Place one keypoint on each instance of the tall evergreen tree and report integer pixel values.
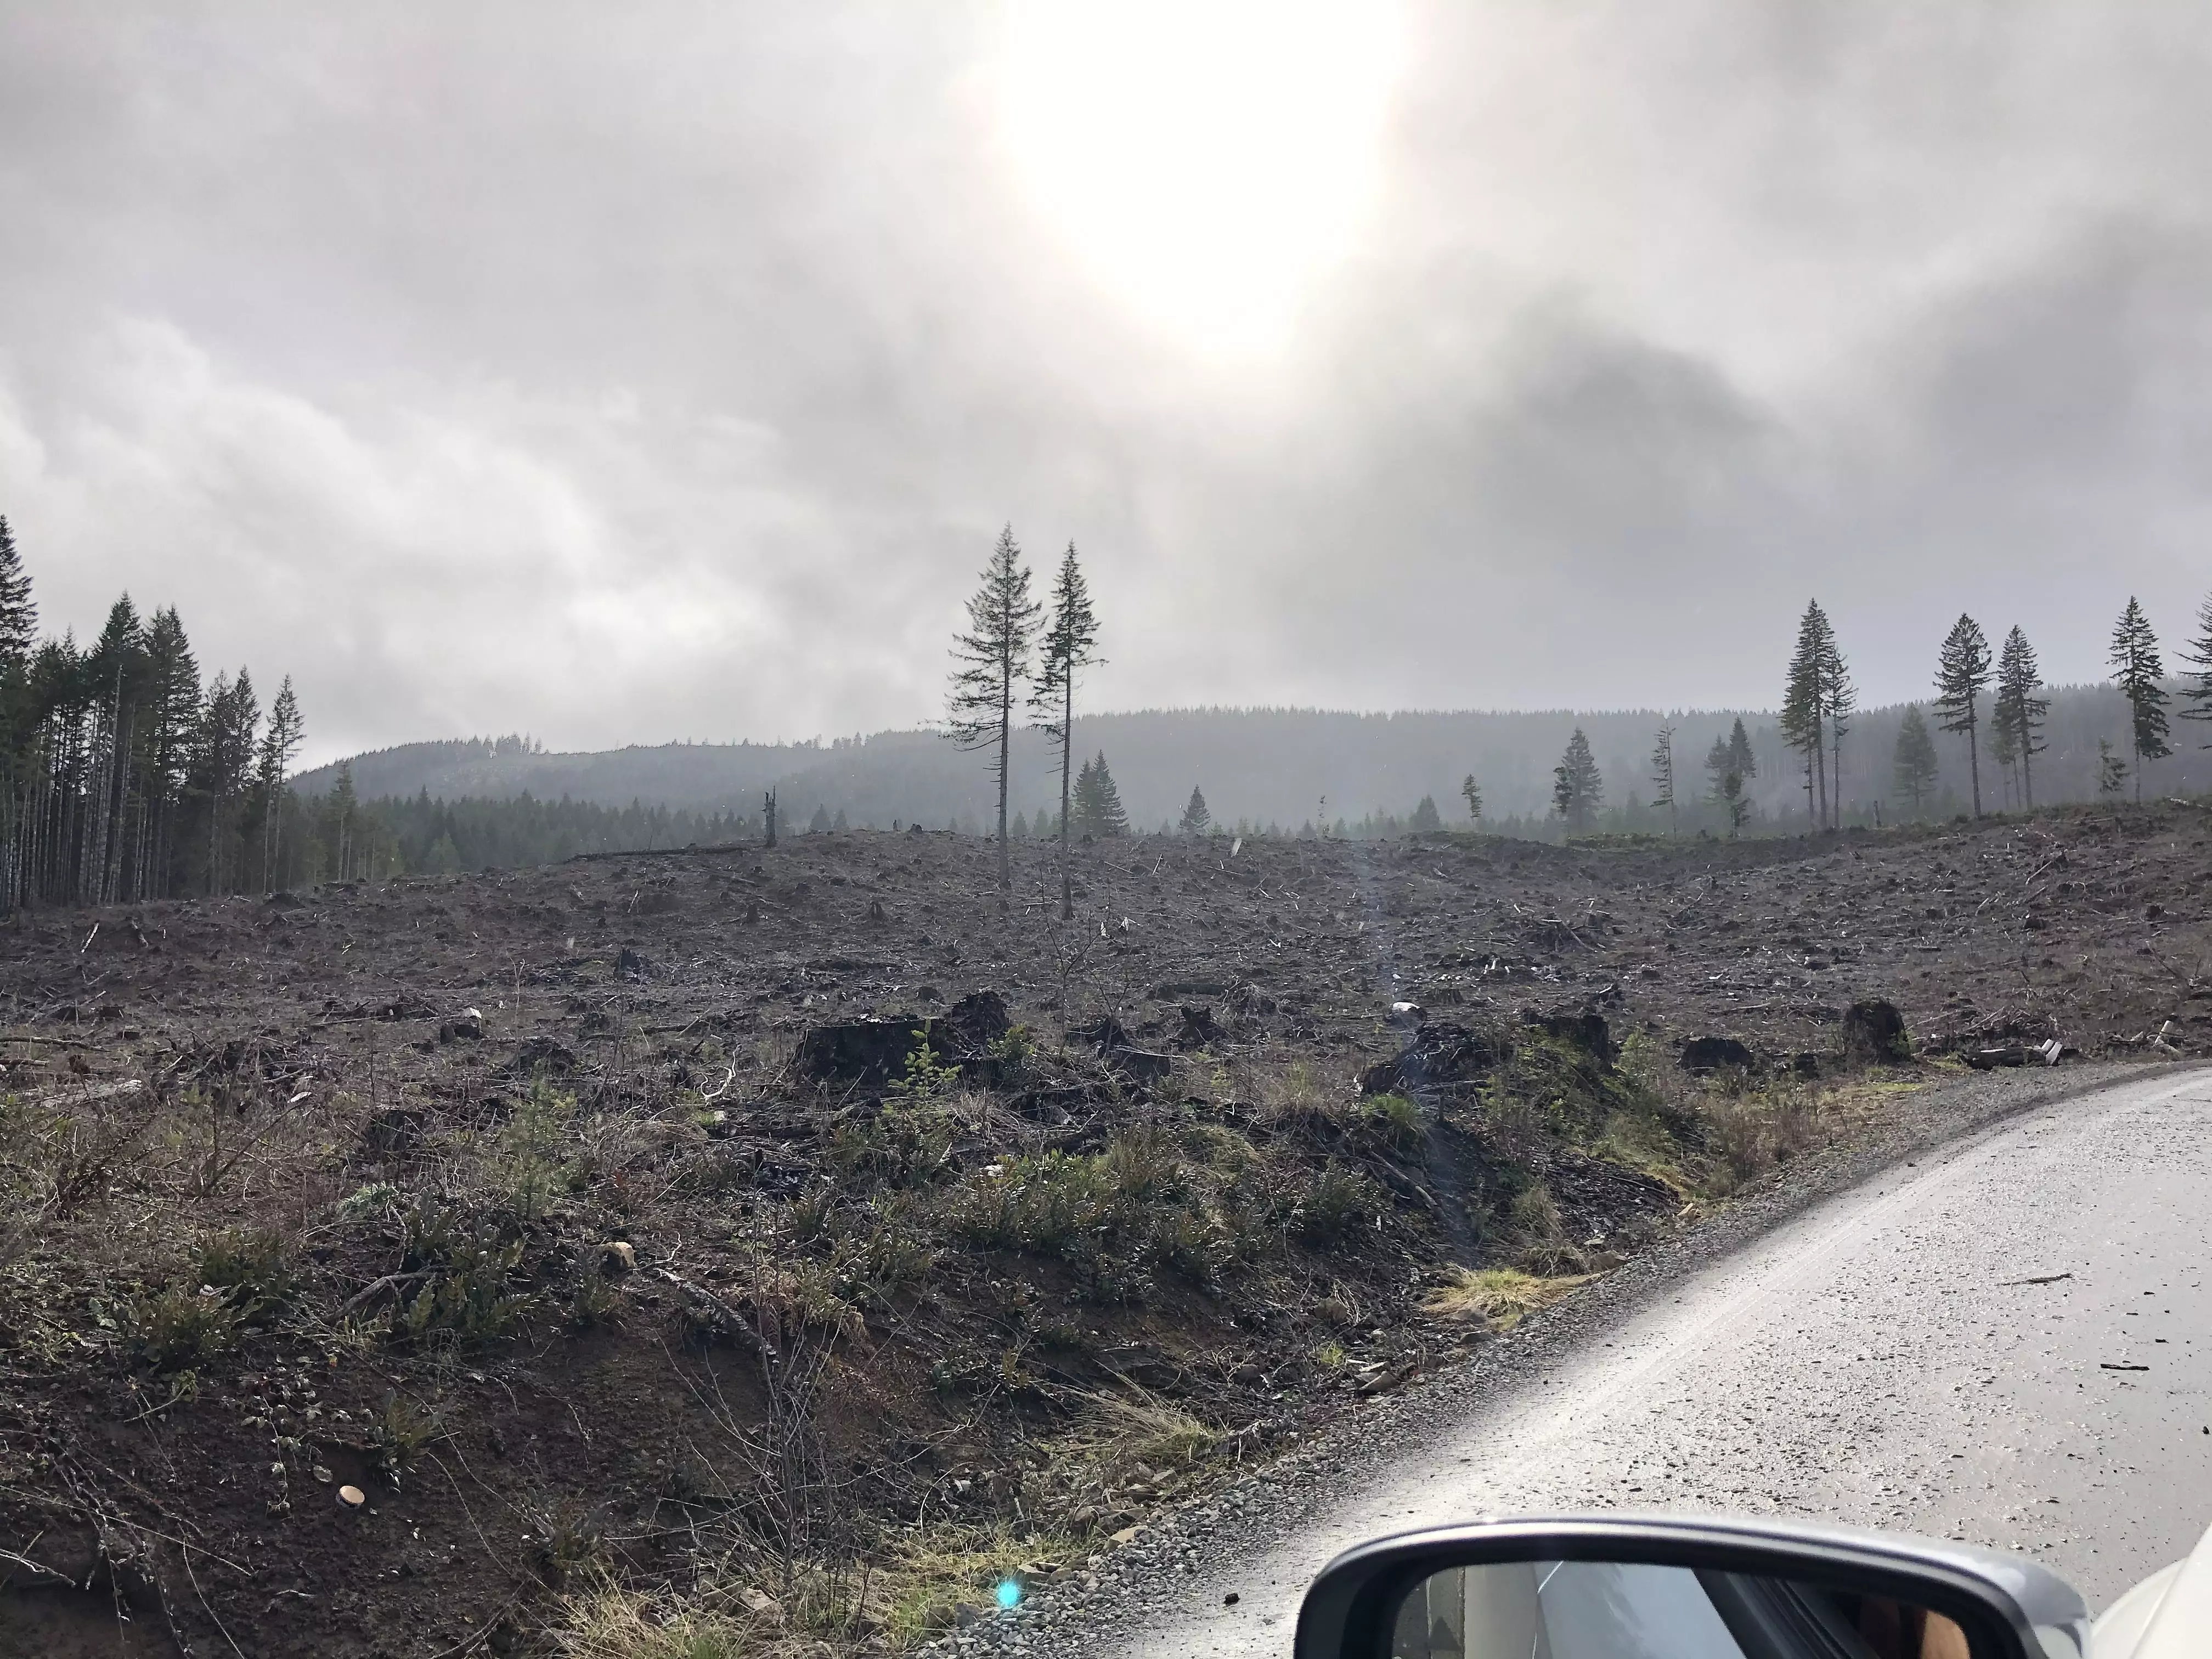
(2017, 713)
(1912, 768)
(1663, 774)
(1805, 705)
(1578, 786)
(279, 744)
(1962, 673)
(2197, 684)
(18, 617)
(1426, 816)
(993, 659)
(2136, 667)
(1471, 793)
(1196, 820)
(1069, 646)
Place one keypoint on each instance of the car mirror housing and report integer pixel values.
(1615, 1586)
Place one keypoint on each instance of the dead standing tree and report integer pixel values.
(1066, 649)
(992, 658)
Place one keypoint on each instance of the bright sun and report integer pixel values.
(1205, 158)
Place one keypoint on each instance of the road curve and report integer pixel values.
(1952, 1348)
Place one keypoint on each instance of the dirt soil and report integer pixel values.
(578, 1221)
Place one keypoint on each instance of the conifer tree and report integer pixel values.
(993, 659)
(2017, 713)
(1578, 786)
(1962, 672)
(2003, 753)
(279, 744)
(1426, 816)
(2196, 683)
(1804, 707)
(1912, 769)
(2111, 770)
(1471, 793)
(1732, 765)
(1663, 774)
(1097, 804)
(1070, 645)
(1196, 820)
(819, 823)
(2136, 667)
(18, 617)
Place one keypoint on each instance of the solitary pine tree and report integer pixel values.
(1912, 768)
(1069, 647)
(1426, 816)
(1471, 793)
(1196, 820)
(1962, 671)
(1578, 786)
(819, 823)
(2017, 715)
(1741, 761)
(2197, 684)
(2136, 667)
(1804, 707)
(1097, 804)
(992, 659)
(1663, 774)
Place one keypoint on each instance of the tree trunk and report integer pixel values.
(1974, 766)
(1067, 764)
(1005, 740)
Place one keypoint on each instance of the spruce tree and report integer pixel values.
(1426, 816)
(1069, 646)
(1196, 820)
(2111, 770)
(1471, 793)
(2017, 715)
(2136, 667)
(2197, 684)
(1912, 769)
(1663, 774)
(1097, 804)
(18, 617)
(1962, 672)
(1804, 707)
(992, 659)
(1578, 786)
(279, 744)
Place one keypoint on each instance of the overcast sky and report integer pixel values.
(619, 373)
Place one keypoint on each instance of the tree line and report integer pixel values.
(123, 775)
(1976, 692)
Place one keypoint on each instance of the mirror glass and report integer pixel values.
(1619, 1610)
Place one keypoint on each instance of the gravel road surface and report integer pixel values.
(2006, 1337)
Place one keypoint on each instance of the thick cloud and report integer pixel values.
(527, 366)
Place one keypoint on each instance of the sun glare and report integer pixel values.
(1206, 160)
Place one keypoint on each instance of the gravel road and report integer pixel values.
(1992, 1325)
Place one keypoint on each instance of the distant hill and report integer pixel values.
(1262, 766)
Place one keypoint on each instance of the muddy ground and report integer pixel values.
(571, 1218)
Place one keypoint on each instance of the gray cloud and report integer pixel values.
(517, 367)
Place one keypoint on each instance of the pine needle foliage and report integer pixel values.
(1962, 674)
(990, 661)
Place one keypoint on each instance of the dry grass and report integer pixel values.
(1501, 1297)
